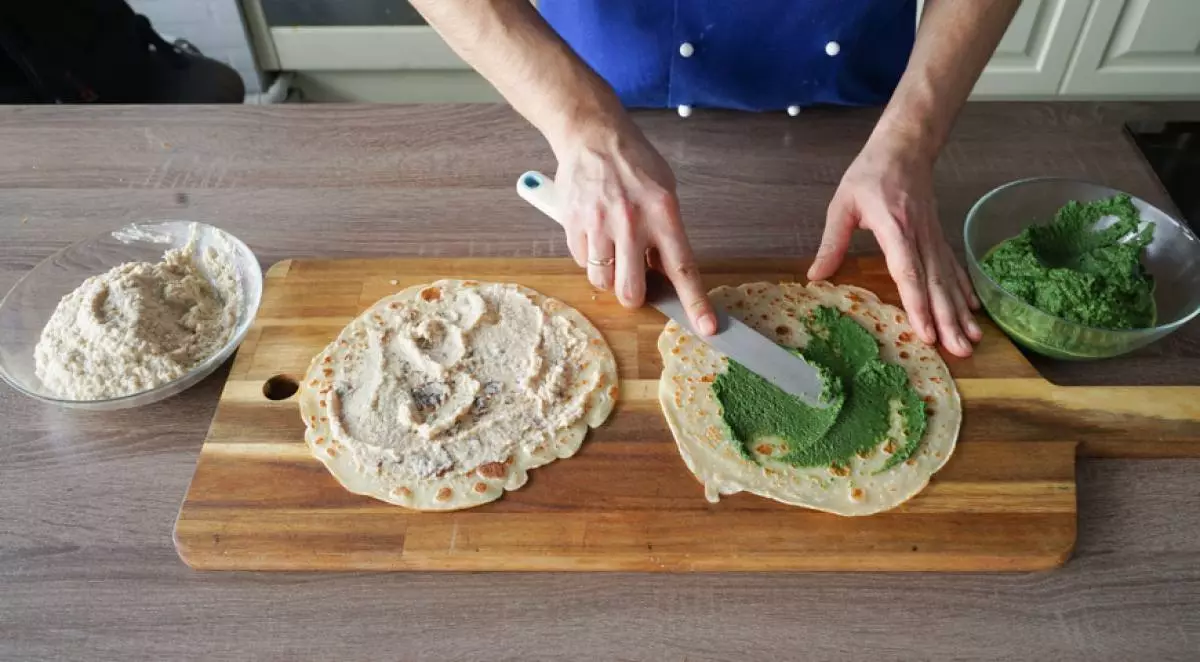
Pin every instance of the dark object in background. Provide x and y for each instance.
(100, 51)
(1173, 151)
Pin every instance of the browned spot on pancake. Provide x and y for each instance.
(684, 359)
(492, 470)
(890, 448)
(739, 304)
(862, 455)
(444, 494)
(319, 440)
(612, 392)
(936, 380)
(764, 449)
(682, 340)
(470, 473)
(854, 297)
(343, 343)
(322, 404)
(674, 350)
(470, 283)
(394, 305)
(765, 317)
(782, 330)
(903, 355)
(597, 341)
(928, 399)
(854, 308)
(709, 378)
(929, 411)
(314, 382)
(328, 372)
(432, 294)
(404, 491)
(324, 419)
(508, 461)
(911, 461)
(332, 452)
(879, 327)
(481, 487)
(924, 359)
(899, 318)
(905, 337)
(838, 470)
(313, 419)
(856, 493)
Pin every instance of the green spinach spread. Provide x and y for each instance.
(864, 394)
(1070, 270)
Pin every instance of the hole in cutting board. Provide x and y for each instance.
(280, 387)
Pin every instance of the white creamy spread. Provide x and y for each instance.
(453, 380)
(140, 325)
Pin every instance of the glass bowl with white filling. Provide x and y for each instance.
(130, 316)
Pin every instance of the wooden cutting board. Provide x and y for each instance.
(1005, 501)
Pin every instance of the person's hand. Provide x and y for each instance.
(889, 191)
(621, 213)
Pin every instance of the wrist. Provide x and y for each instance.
(904, 142)
(588, 119)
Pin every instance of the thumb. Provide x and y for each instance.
(835, 241)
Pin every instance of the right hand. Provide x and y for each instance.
(620, 211)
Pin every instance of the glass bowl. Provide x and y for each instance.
(27, 307)
(1173, 259)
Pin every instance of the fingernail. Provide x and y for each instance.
(707, 325)
(930, 333)
(974, 329)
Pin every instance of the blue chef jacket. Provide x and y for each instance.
(756, 55)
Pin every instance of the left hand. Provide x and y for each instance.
(889, 191)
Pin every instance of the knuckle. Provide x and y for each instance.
(911, 272)
(685, 269)
(659, 203)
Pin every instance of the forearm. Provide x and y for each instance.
(510, 45)
(955, 40)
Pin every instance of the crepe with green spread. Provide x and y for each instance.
(892, 421)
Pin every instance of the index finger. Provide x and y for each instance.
(679, 266)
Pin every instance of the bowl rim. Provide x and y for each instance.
(204, 367)
(977, 267)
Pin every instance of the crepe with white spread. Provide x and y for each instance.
(443, 396)
(912, 437)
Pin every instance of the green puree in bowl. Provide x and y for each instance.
(1069, 270)
(862, 389)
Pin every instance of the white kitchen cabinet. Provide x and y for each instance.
(1032, 57)
(1137, 49)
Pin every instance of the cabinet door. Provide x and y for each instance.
(1138, 48)
(1032, 57)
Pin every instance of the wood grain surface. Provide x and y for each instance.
(87, 568)
(260, 501)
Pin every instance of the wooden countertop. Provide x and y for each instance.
(87, 568)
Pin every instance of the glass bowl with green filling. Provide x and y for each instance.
(1075, 270)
